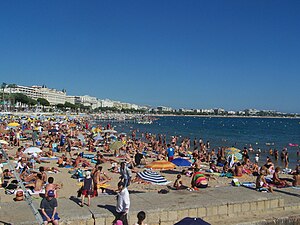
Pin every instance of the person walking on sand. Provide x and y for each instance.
(87, 189)
(123, 203)
(125, 173)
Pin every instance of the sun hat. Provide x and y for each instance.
(88, 174)
(51, 193)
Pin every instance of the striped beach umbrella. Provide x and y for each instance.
(152, 177)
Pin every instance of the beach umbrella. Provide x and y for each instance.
(14, 124)
(3, 142)
(152, 177)
(181, 162)
(31, 150)
(161, 165)
(116, 145)
(81, 137)
(110, 131)
(238, 156)
(192, 221)
(27, 131)
(98, 138)
(232, 150)
(72, 125)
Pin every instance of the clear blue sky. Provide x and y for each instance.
(192, 54)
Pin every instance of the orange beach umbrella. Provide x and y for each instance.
(161, 165)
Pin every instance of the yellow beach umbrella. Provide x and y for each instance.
(232, 151)
(13, 124)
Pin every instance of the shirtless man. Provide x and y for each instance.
(276, 179)
(98, 179)
(238, 170)
(196, 164)
(38, 184)
(51, 186)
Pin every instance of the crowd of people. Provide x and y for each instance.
(76, 144)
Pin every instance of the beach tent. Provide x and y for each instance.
(192, 221)
(152, 177)
(181, 162)
(161, 165)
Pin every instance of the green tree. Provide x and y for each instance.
(19, 97)
(3, 86)
(44, 102)
(70, 105)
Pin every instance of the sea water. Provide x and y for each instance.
(263, 133)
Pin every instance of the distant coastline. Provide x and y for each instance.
(230, 116)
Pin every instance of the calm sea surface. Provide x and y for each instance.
(263, 133)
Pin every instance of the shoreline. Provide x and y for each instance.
(147, 114)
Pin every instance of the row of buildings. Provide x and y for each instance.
(55, 97)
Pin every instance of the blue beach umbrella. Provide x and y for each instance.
(98, 138)
(181, 162)
(192, 221)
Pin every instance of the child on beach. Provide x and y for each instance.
(178, 183)
(141, 217)
(87, 189)
(261, 183)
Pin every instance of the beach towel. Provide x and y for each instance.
(249, 184)
(49, 158)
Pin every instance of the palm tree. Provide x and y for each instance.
(10, 86)
(3, 86)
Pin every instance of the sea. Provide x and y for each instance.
(263, 133)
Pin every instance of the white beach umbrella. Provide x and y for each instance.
(110, 131)
(3, 142)
(31, 150)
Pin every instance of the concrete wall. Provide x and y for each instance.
(170, 217)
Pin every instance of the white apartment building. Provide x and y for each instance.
(107, 103)
(71, 99)
(28, 91)
(53, 96)
(88, 101)
(164, 109)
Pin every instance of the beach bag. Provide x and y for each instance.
(235, 182)
(163, 191)
(79, 192)
(11, 186)
(19, 196)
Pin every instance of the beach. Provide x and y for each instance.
(81, 134)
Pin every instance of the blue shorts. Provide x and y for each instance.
(55, 217)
